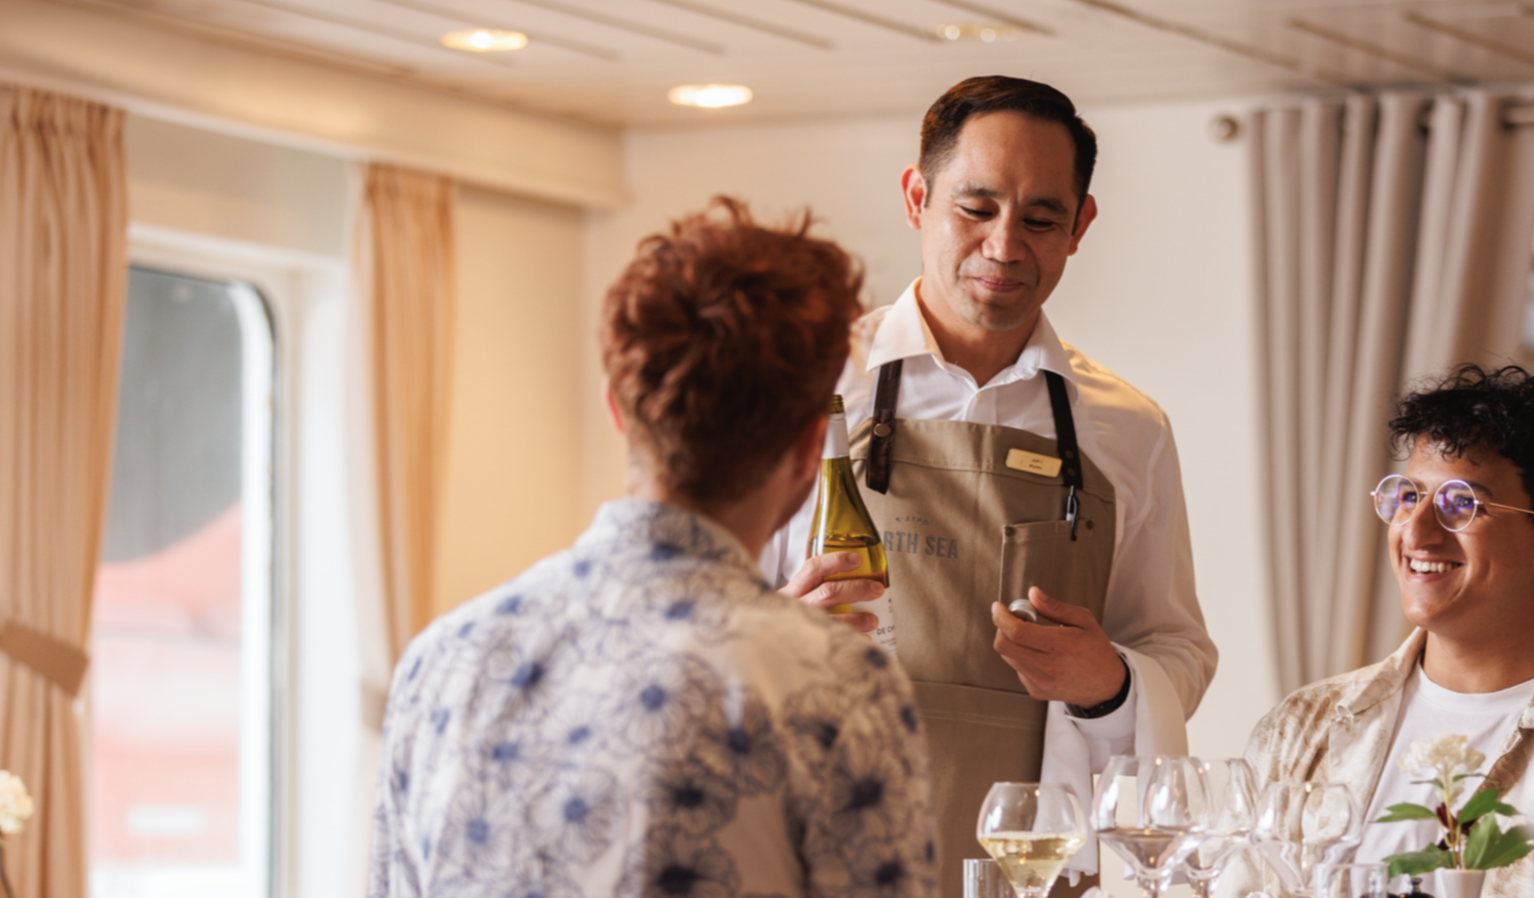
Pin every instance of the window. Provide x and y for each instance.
(181, 788)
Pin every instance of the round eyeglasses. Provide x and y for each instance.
(1455, 502)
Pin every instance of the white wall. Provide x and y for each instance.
(1160, 292)
(511, 494)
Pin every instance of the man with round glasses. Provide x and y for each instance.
(1466, 573)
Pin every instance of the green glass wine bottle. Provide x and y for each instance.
(842, 524)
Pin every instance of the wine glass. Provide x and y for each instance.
(1031, 829)
(1303, 825)
(1352, 881)
(1152, 811)
(1233, 790)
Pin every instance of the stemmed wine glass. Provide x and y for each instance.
(1233, 790)
(1352, 881)
(1152, 811)
(1302, 825)
(1031, 829)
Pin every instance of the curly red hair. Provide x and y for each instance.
(722, 342)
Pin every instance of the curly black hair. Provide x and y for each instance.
(1472, 410)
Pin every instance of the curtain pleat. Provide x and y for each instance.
(1387, 251)
(405, 264)
(63, 262)
(410, 288)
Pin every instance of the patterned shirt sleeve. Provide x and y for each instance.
(869, 829)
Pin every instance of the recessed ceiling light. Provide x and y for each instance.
(985, 33)
(709, 96)
(484, 40)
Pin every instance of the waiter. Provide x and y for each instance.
(1001, 463)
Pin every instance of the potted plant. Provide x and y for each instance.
(1471, 840)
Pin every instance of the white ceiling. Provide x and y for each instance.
(611, 61)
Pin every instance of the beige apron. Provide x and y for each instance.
(961, 530)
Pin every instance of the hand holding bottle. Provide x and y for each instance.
(811, 587)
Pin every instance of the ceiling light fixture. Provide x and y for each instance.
(709, 96)
(484, 40)
(986, 33)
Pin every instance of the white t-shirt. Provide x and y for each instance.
(1428, 710)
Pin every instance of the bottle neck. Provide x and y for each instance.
(836, 437)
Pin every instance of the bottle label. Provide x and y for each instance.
(884, 633)
(836, 437)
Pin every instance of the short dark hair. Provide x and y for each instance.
(1472, 410)
(722, 341)
(998, 93)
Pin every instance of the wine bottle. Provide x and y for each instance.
(842, 524)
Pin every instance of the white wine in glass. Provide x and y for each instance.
(1031, 829)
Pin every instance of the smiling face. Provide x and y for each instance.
(1476, 584)
(998, 223)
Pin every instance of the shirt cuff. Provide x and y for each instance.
(1116, 724)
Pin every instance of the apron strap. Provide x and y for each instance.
(1065, 442)
(877, 476)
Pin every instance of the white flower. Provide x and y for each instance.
(15, 803)
(1443, 760)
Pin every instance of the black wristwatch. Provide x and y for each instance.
(1107, 707)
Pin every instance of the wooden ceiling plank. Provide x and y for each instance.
(255, 41)
(1368, 47)
(621, 24)
(999, 16)
(369, 28)
(1241, 48)
(1468, 37)
(869, 18)
(477, 21)
(748, 22)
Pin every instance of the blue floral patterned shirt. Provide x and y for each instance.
(641, 716)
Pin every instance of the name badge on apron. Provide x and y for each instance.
(1033, 463)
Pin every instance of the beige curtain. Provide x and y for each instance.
(1394, 238)
(407, 261)
(402, 358)
(63, 238)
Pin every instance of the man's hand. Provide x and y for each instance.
(810, 587)
(1072, 663)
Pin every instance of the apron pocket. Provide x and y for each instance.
(976, 737)
(1041, 554)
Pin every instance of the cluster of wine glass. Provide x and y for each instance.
(1163, 814)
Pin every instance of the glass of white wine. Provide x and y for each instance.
(1153, 811)
(1031, 829)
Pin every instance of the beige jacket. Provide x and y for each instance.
(1339, 730)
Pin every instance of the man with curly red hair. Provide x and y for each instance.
(640, 714)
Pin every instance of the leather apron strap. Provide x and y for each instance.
(963, 528)
(1065, 441)
(878, 474)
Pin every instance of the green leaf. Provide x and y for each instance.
(1412, 863)
(1483, 802)
(1489, 847)
(1407, 811)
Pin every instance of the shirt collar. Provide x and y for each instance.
(664, 531)
(904, 334)
(1388, 678)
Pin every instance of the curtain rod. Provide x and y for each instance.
(1515, 114)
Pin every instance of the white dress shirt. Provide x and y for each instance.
(1151, 611)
